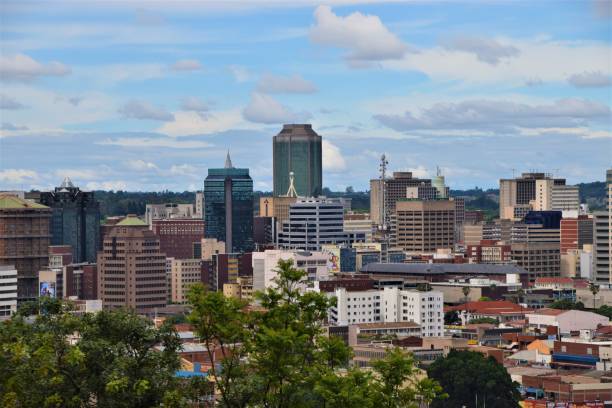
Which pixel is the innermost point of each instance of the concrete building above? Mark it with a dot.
(388, 305)
(565, 198)
(242, 289)
(199, 205)
(24, 241)
(424, 226)
(540, 259)
(168, 211)
(210, 247)
(228, 207)
(396, 188)
(75, 220)
(575, 232)
(566, 320)
(602, 244)
(503, 311)
(227, 268)
(131, 267)
(277, 207)
(489, 252)
(297, 150)
(314, 222)
(472, 233)
(265, 264)
(8, 291)
(177, 235)
(359, 224)
(479, 287)
(184, 273)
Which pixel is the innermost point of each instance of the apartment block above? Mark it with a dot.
(184, 273)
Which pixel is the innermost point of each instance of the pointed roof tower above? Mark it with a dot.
(228, 161)
(67, 183)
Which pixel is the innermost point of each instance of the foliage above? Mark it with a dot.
(104, 360)
(479, 320)
(280, 357)
(465, 374)
(566, 304)
(605, 310)
(451, 317)
(484, 299)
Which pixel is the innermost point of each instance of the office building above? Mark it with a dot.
(359, 224)
(297, 150)
(210, 247)
(264, 232)
(424, 226)
(489, 252)
(8, 291)
(396, 188)
(228, 207)
(227, 268)
(168, 211)
(75, 220)
(575, 232)
(131, 267)
(24, 240)
(276, 207)
(565, 198)
(389, 305)
(602, 261)
(540, 259)
(242, 289)
(177, 235)
(199, 204)
(314, 222)
(184, 273)
(265, 265)
(80, 281)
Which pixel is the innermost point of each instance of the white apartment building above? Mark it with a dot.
(8, 291)
(184, 273)
(389, 305)
(265, 264)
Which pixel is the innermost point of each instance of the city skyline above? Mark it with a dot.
(148, 97)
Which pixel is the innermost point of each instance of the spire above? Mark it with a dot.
(228, 161)
(67, 183)
(291, 192)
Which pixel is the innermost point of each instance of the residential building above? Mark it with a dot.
(8, 291)
(24, 241)
(314, 222)
(390, 304)
(177, 235)
(75, 220)
(424, 226)
(184, 273)
(265, 265)
(131, 267)
(168, 211)
(297, 150)
(228, 207)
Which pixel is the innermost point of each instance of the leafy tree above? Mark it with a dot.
(594, 288)
(605, 310)
(280, 357)
(566, 304)
(466, 292)
(484, 299)
(467, 375)
(451, 317)
(105, 359)
(489, 320)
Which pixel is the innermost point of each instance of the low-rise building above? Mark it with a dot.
(265, 265)
(566, 321)
(503, 311)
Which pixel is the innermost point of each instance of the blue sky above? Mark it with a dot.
(147, 95)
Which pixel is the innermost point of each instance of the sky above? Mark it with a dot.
(146, 96)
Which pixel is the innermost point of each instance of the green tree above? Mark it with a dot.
(105, 359)
(489, 320)
(594, 288)
(279, 356)
(466, 376)
(484, 299)
(466, 292)
(566, 304)
(451, 317)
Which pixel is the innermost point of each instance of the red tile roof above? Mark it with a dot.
(491, 307)
(578, 283)
(549, 312)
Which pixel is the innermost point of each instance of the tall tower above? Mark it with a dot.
(297, 149)
(228, 207)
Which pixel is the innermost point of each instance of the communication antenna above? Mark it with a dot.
(291, 192)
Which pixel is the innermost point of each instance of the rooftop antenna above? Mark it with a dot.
(291, 192)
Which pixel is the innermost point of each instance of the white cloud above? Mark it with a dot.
(192, 123)
(135, 109)
(21, 67)
(17, 176)
(113, 185)
(12, 127)
(187, 65)
(263, 108)
(185, 170)
(9, 103)
(240, 73)
(486, 49)
(269, 83)
(365, 37)
(149, 142)
(590, 80)
(141, 165)
(82, 174)
(195, 104)
(332, 157)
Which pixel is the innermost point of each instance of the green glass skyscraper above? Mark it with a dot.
(297, 149)
(228, 207)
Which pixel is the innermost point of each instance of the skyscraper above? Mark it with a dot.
(602, 242)
(75, 220)
(228, 207)
(297, 149)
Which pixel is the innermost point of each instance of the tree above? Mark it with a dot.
(451, 317)
(566, 304)
(105, 359)
(484, 299)
(279, 356)
(467, 375)
(489, 320)
(466, 292)
(594, 288)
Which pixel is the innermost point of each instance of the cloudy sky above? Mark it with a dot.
(147, 95)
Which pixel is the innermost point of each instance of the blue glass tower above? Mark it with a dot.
(228, 207)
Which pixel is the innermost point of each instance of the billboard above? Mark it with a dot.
(333, 263)
(47, 289)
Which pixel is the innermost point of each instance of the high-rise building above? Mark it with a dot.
(602, 252)
(226, 268)
(396, 188)
(540, 259)
(8, 294)
(228, 207)
(184, 273)
(24, 240)
(314, 222)
(424, 225)
(199, 204)
(75, 220)
(575, 232)
(131, 267)
(177, 235)
(565, 198)
(297, 149)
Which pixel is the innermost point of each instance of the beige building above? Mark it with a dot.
(242, 289)
(277, 207)
(131, 268)
(184, 273)
(424, 226)
(472, 233)
(210, 247)
(359, 223)
(540, 259)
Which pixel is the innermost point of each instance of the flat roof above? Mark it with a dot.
(443, 268)
(386, 325)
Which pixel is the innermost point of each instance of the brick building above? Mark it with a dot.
(177, 235)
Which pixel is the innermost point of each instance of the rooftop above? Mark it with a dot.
(9, 201)
(439, 269)
(132, 220)
(491, 307)
(387, 325)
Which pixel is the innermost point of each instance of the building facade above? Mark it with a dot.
(177, 236)
(265, 264)
(168, 211)
(75, 220)
(228, 207)
(184, 273)
(297, 149)
(8, 291)
(424, 226)
(131, 267)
